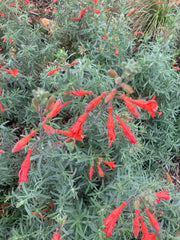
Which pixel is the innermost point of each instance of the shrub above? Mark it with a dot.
(61, 196)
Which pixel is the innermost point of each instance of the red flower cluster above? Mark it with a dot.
(101, 173)
(162, 195)
(111, 219)
(81, 14)
(151, 106)
(14, 71)
(136, 225)
(95, 10)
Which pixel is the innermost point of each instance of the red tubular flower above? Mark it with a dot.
(55, 109)
(91, 171)
(139, 33)
(78, 136)
(177, 68)
(56, 236)
(101, 174)
(49, 130)
(73, 63)
(1, 151)
(110, 164)
(163, 194)
(136, 224)
(110, 96)
(94, 102)
(64, 104)
(159, 2)
(151, 106)
(132, 11)
(94, 1)
(95, 10)
(1, 107)
(79, 92)
(150, 236)
(105, 37)
(143, 227)
(153, 220)
(130, 106)
(52, 205)
(52, 71)
(2, 206)
(67, 132)
(23, 142)
(14, 71)
(127, 132)
(111, 219)
(81, 14)
(76, 128)
(25, 168)
(110, 126)
(2, 14)
(116, 51)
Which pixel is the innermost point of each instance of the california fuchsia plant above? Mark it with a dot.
(84, 148)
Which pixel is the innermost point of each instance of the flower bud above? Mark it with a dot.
(49, 103)
(112, 73)
(117, 80)
(35, 104)
(127, 88)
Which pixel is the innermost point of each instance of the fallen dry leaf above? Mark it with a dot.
(177, 2)
(46, 22)
(168, 177)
